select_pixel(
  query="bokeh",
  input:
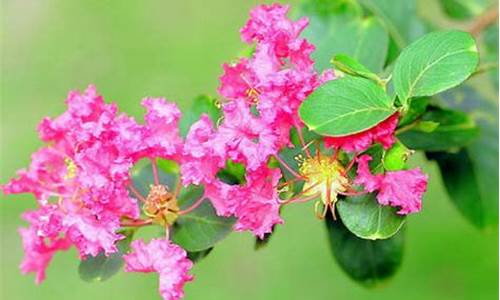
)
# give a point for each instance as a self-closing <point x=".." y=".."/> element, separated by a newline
<point x="175" y="49"/>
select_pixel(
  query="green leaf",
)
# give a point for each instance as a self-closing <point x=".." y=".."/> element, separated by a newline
<point x="461" y="177"/>
<point x="233" y="173"/>
<point x="464" y="9"/>
<point x="201" y="104"/>
<point x="326" y="9"/>
<point x="142" y="177"/>
<point x="396" y="157"/>
<point x="455" y="129"/>
<point x="426" y="126"/>
<point x="101" y="267"/>
<point x="417" y="107"/>
<point x="261" y="243"/>
<point x="399" y="17"/>
<point x="201" y="228"/>
<point x="351" y="66"/>
<point x="434" y="63"/>
<point x="367" y="219"/>
<point x="345" y="106"/>
<point x="471" y="176"/>
<point x="199" y="255"/>
<point x="366" y="261"/>
<point x="345" y="31"/>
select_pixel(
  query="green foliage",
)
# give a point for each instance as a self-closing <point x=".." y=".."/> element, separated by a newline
<point x="464" y="9"/>
<point x="400" y="19"/>
<point x="101" y="267"/>
<point x="434" y="63"/>
<point x="366" y="261"/>
<point x="471" y="175"/>
<point x="233" y="173"/>
<point x="351" y="66"/>
<point x="456" y="129"/>
<point x="345" y="31"/>
<point x="477" y="202"/>
<point x="345" y="106"/>
<point x="395" y="158"/>
<point x="201" y="104"/>
<point x="418" y="106"/>
<point x="201" y="228"/>
<point x="367" y="219"/>
<point x="199" y="255"/>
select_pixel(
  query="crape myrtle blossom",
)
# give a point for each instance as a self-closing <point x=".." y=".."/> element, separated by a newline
<point x="382" y="133"/>
<point x="255" y="203"/>
<point x="280" y="73"/>
<point x="403" y="189"/>
<point x="81" y="177"/>
<point x="263" y="94"/>
<point x="165" y="258"/>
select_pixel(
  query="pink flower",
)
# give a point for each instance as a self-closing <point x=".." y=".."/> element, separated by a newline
<point x="200" y="164"/>
<point x="270" y="23"/>
<point x="243" y="137"/>
<point x="167" y="259"/>
<point x="79" y="179"/>
<point x="383" y="133"/>
<point x="259" y="207"/>
<point x="403" y="189"/>
<point x="38" y="252"/>
<point x="161" y="137"/>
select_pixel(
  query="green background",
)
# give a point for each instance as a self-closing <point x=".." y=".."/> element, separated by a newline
<point x="175" y="49"/>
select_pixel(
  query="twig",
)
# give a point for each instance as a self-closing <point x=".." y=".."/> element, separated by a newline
<point x="489" y="17"/>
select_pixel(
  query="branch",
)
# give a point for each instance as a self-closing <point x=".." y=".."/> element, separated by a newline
<point x="487" y="18"/>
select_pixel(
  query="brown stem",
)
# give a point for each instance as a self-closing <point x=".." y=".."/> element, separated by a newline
<point x="286" y="166"/>
<point x="136" y="223"/>
<point x="155" y="171"/>
<point x="136" y="193"/>
<point x="193" y="207"/>
<point x="489" y="17"/>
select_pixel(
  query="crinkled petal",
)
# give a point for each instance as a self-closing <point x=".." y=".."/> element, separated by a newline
<point x="168" y="260"/>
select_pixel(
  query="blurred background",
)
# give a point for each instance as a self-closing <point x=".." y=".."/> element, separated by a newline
<point x="175" y="49"/>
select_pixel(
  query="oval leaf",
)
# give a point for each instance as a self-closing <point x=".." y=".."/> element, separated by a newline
<point x="351" y="66"/>
<point x="202" y="228"/>
<point x="345" y="106"/>
<point x="456" y="129"/>
<point x="434" y="63"/>
<point x="101" y="267"/>
<point x="367" y="219"/>
<point x="367" y="262"/>
<point x="461" y="179"/>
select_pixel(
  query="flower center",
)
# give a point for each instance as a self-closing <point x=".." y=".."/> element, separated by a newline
<point x="161" y="205"/>
<point x="70" y="168"/>
<point x="253" y="95"/>
<point x="324" y="176"/>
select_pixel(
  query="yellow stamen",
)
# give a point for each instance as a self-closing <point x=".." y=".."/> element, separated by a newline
<point x="324" y="176"/>
<point x="71" y="168"/>
<point x="161" y="205"/>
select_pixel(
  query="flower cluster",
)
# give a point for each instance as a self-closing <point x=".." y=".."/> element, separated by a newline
<point x="81" y="178"/>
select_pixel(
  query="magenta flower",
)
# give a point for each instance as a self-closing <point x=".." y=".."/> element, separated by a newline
<point x="243" y="137"/>
<point x="383" y="133"/>
<point x="80" y="182"/>
<point x="403" y="189"/>
<point x="166" y="259"/>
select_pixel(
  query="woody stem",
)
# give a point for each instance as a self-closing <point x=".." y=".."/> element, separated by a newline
<point x="286" y="166"/>
<point x="154" y="165"/>
<point x="136" y="193"/>
<point x="136" y="223"/>
<point x="193" y="207"/>
<point x="302" y="141"/>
